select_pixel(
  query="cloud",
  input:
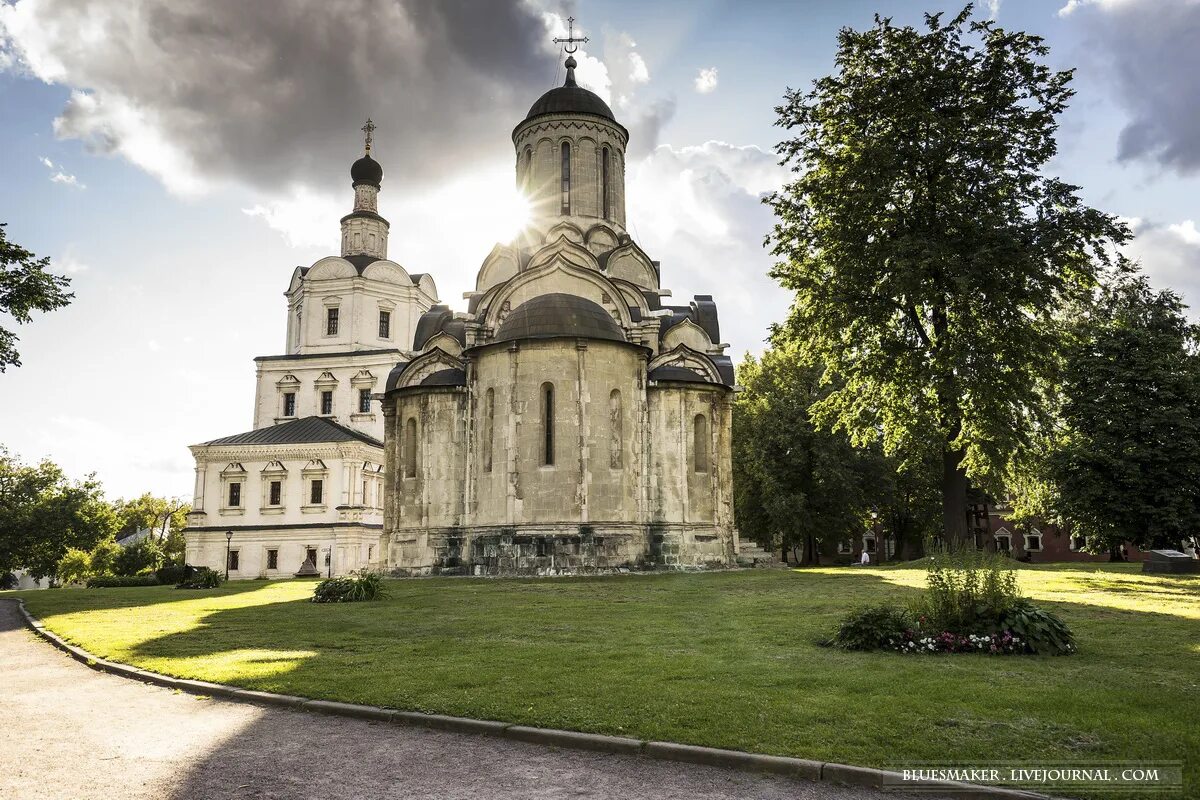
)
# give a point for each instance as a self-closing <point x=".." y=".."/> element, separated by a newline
<point x="993" y="8"/>
<point x="1150" y="53"/>
<point x="698" y="210"/>
<point x="61" y="176"/>
<point x="1170" y="255"/>
<point x="706" y="80"/>
<point x="273" y="94"/>
<point x="69" y="264"/>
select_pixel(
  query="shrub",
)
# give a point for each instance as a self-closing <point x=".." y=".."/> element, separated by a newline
<point x="967" y="592"/>
<point x="873" y="627"/>
<point x="104" y="557"/>
<point x="1041" y="631"/>
<point x="171" y="573"/>
<point x="116" y="581"/>
<point x="359" y="586"/>
<point x="9" y="580"/>
<point x="139" y="558"/>
<point x="200" y="578"/>
<point x="75" y="566"/>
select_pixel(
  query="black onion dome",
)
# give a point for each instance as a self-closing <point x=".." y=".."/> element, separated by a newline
<point x="570" y="98"/>
<point x="556" y="315"/>
<point x="366" y="170"/>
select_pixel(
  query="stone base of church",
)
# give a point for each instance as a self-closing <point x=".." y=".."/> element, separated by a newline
<point x="559" y="549"/>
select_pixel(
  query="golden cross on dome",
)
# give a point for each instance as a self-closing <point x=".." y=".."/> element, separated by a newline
<point x="571" y="39"/>
<point x="368" y="129"/>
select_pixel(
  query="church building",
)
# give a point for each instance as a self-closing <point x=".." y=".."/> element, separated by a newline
<point x="302" y="491"/>
<point x="571" y="419"/>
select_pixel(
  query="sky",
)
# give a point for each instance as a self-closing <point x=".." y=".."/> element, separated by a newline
<point x="179" y="158"/>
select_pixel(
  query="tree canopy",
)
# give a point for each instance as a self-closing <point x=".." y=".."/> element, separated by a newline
<point x="927" y="249"/>
<point x="43" y="513"/>
<point x="25" y="286"/>
<point x="1125" y="463"/>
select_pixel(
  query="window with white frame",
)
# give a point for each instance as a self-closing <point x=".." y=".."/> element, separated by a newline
<point x="869" y="544"/>
<point x="315" y="475"/>
<point x="1003" y="541"/>
<point x="1033" y="541"/>
<point x="233" y="480"/>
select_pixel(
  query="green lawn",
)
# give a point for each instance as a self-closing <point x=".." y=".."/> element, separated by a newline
<point x="724" y="659"/>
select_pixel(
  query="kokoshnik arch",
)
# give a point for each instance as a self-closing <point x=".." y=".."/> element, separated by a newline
<point x="570" y="420"/>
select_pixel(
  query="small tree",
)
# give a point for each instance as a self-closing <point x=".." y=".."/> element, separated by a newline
<point x="103" y="557"/>
<point x="25" y="286"/>
<point x="139" y="558"/>
<point x="927" y="248"/>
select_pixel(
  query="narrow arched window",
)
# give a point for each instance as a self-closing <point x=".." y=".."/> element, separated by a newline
<point x="566" y="178"/>
<point x="410" y="448"/>
<point x="700" y="443"/>
<point x="528" y="166"/>
<point x="489" y="408"/>
<point x="548" y="424"/>
<point x="604" y="180"/>
<point x="616" y="429"/>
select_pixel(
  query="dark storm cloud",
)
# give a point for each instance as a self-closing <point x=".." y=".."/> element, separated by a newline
<point x="1152" y="45"/>
<point x="273" y="93"/>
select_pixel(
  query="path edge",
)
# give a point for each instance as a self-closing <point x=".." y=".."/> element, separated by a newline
<point x="804" y="769"/>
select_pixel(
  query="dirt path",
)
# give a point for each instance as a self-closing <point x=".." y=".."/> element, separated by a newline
<point x="69" y="732"/>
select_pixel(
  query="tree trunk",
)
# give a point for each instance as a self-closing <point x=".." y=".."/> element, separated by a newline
<point x="954" y="498"/>
<point x="811" y="558"/>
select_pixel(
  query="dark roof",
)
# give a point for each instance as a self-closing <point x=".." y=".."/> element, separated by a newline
<point x="446" y="377"/>
<point x="366" y="170"/>
<point x="669" y="373"/>
<point x="306" y="430"/>
<point x="552" y="315"/>
<point x="570" y="98"/>
<point x="436" y="319"/>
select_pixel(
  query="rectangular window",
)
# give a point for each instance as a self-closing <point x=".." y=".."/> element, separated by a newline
<point x="331" y="322"/>
<point x="289" y="404"/>
<point x="1033" y="542"/>
<point x="327" y="402"/>
<point x="364" y="495"/>
<point x="870" y="545"/>
<point x="233" y="560"/>
<point x="566" y="179"/>
<point x="272" y="559"/>
<point x="318" y="490"/>
<point x="235" y="495"/>
<point x="310" y="554"/>
<point x="275" y="493"/>
<point x="385" y="324"/>
<point x="364" y="401"/>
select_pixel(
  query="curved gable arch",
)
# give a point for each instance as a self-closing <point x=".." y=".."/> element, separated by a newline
<point x="564" y="230"/>
<point x="444" y="342"/>
<point x="687" y="333"/>
<point x="559" y="276"/>
<point x="500" y="265"/>
<point x="331" y="268"/>
<point x="631" y="263"/>
<point x="683" y="356"/>
<point x="387" y="272"/>
<point x="426" y="364"/>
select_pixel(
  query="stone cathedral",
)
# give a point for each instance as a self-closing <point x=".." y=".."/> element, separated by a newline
<point x="571" y="420"/>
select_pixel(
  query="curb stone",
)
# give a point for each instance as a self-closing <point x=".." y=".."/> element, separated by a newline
<point x="805" y="769"/>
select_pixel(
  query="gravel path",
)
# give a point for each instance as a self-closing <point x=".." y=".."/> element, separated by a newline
<point x="70" y="732"/>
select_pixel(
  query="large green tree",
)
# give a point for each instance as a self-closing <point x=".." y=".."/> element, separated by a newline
<point x="25" y="286"/>
<point x="927" y="248"/>
<point x="795" y="486"/>
<point x="1126" y="463"/>
<point x="43" y="513"/>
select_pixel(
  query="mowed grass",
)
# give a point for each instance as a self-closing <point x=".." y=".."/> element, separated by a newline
<point x="722" y="659"/>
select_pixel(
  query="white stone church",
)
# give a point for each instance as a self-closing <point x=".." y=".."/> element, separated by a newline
<point x="570" y="420"/>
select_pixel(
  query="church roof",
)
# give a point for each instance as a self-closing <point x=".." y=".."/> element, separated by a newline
<point x="366" y="170"/>
<point x="553" y="315"/>
<point x="306" y="430"/>
<point x="570" y="99"/>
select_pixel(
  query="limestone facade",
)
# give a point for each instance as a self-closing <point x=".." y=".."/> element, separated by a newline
<point x="569" y="421"/>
